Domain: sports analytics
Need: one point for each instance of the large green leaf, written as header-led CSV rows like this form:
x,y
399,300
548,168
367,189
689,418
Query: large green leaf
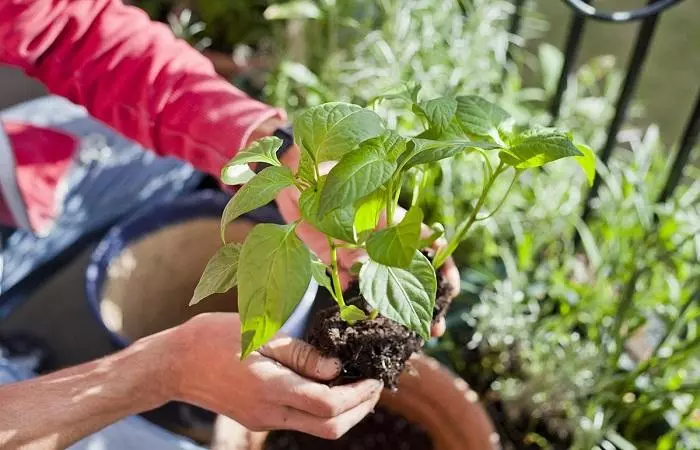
x,y
273,275
395,246
337,223
538,149
331,130
358,173
220,275
263,150
479,117
368,211
424,151
587,162
439,112
406,296
259,191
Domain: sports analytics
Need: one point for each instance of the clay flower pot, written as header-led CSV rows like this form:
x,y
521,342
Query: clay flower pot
x,y
428,394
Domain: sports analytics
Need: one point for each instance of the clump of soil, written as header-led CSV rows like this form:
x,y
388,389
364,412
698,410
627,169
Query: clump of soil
x,y
380,430
377,348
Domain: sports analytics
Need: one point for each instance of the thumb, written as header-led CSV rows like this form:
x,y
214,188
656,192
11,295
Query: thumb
x,y
302,358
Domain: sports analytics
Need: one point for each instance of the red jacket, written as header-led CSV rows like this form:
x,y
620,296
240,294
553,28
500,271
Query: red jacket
x,y
131,74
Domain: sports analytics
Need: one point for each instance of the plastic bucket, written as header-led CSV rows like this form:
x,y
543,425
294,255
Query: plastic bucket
x,y
142,274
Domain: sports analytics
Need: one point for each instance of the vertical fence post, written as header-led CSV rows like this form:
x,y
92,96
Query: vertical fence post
x,y
573,44
689,140
641,49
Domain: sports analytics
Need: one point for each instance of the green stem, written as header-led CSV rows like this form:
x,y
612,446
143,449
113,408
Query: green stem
x,y
417,185
390,203
335,274
464,227
503,200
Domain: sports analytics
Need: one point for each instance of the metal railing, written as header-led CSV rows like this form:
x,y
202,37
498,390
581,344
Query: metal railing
x,y
584,10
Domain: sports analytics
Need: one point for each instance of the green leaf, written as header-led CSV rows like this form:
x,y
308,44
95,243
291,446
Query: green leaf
x,y
394,145
331,130
395,246
299,9
306,169
368,211
425,151
263,150
535,150
220,275
337,223
358,173
318,271
273,275
479,117
352,314
439,112
259,191
587,162
406,296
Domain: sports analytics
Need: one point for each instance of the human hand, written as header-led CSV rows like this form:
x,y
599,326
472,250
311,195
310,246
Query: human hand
x,y
270,389
288,203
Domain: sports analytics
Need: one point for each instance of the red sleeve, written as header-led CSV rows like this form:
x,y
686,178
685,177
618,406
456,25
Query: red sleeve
x,y
132,74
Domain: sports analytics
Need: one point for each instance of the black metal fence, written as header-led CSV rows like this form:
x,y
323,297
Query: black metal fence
x,y
584,10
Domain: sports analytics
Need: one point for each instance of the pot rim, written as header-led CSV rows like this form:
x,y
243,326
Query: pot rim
x,y
152,218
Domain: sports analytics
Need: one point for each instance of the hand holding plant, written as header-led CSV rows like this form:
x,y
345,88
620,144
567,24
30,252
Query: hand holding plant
x,y
375,327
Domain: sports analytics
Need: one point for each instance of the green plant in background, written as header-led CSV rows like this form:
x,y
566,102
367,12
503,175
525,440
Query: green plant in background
x,y
601,342
273,267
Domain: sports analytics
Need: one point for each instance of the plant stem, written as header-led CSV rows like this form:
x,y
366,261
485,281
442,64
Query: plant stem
x,y
503,200
335,274
389,203
417,186
464,227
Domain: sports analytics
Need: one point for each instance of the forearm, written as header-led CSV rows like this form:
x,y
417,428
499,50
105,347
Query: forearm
x,y
56,410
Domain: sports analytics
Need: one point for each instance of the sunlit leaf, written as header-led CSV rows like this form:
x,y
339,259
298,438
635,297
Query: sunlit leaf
x,y
220,275
274,273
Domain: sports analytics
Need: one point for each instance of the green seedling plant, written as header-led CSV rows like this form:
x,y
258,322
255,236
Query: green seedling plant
x,y
273,267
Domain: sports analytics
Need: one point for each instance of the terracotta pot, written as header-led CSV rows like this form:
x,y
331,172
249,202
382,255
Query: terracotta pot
x,y
428,394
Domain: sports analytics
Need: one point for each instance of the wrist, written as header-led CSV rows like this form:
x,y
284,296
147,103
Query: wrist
x,y
157,374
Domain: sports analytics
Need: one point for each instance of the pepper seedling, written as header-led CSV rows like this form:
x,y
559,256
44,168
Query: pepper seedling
x,y
273,267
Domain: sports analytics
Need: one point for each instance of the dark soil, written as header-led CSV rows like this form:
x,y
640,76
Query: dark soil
x,y
375,348
381,430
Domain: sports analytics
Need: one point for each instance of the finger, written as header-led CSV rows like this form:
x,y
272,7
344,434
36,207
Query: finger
x,y
328,428
323,401
302,358
438,328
